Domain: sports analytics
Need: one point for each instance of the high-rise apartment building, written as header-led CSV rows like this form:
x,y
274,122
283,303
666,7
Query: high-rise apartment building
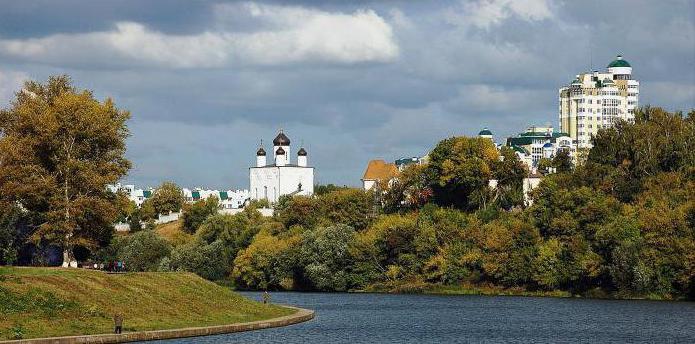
x,y
597,100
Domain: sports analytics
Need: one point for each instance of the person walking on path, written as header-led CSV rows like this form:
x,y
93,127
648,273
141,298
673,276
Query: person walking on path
x,y
118,323
266,297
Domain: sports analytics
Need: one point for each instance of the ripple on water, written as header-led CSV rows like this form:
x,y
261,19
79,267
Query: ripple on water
x,y
379,318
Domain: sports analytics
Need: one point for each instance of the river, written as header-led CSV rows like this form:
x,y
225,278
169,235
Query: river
x,y
379,318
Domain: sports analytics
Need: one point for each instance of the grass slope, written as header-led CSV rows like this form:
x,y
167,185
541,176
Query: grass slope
x,y
173,233
47,302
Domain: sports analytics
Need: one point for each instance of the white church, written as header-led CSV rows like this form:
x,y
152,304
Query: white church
x,y
280,177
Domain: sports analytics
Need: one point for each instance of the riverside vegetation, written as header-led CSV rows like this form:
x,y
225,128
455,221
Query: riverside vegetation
x,y
620,224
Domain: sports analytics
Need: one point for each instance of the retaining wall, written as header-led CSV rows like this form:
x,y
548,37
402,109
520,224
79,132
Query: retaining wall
x,y
301,315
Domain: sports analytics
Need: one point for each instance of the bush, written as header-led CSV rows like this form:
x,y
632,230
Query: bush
x,y
326,258
141,251
209,261
195,214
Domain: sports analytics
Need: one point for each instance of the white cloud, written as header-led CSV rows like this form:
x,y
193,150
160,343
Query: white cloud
x,y
10,82
289,35
486,13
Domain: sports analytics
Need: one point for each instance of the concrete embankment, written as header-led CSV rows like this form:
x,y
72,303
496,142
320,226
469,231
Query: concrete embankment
x,y
301,315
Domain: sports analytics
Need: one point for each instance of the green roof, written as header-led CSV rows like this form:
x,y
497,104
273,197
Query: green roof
x,y
519,141
195,195
619,62
147,193
519,149
485,131
223,195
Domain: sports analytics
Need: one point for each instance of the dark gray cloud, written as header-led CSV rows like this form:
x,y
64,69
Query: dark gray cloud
x,y
353,80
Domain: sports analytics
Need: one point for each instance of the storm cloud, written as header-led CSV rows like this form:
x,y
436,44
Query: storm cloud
x,y
207,80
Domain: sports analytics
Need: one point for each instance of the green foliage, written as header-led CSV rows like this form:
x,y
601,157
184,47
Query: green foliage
x,y
410,191
322,189
351,207
267,263
658,141
209,261
59,149
325,257
142,251
168,198
195,214
234,231
562,162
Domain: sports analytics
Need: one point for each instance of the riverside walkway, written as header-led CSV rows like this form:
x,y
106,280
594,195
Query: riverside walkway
x,y
300,316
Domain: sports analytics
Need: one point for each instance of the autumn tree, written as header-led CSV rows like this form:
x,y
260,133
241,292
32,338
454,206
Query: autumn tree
x,y
196,213
59,148
167,198
459,171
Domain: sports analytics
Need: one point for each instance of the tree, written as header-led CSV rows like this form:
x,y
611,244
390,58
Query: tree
x,y
298,211
266,263
562,162
322,189
545,165
59,149
142,251
168,198
325,257
459,171
350,207
509,172
195,214
658,141
208,261
409,191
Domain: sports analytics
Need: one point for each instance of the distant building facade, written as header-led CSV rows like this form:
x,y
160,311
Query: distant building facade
x,y
596,100
137,196
230,199
378,171
281,176
541,142
402,163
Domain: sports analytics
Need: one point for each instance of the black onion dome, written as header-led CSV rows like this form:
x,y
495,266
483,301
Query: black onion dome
x,y
260,152
281,140
302,152
280,151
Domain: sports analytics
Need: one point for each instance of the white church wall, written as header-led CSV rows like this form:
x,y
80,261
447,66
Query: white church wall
x,y
291,177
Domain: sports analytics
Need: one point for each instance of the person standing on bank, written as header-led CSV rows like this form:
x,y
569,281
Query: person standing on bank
x,y
266,297
118,323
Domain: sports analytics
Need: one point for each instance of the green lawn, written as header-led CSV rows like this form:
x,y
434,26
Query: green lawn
x,y
46,302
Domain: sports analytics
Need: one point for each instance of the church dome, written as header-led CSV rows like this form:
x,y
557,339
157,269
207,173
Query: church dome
x,y
302,152
260,152
281,140
280,151
619,62
485,131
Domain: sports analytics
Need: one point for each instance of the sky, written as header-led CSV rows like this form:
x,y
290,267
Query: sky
x,y
206,81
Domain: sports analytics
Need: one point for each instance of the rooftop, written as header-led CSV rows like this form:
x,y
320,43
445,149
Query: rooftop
x,y
380,170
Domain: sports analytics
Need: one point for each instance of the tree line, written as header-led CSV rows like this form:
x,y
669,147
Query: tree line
x,y
620,223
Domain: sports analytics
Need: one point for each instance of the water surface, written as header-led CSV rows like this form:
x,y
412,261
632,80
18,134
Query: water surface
x,y
379,318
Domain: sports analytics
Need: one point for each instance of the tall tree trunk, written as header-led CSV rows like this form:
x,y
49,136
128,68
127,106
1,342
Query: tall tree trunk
x,y
68,255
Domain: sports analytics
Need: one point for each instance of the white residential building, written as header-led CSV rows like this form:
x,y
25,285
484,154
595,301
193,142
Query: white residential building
x,y
541,142
138,196
229,199
281,176
597,100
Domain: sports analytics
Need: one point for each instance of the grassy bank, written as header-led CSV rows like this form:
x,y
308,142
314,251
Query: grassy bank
x,y
46,302
417,287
